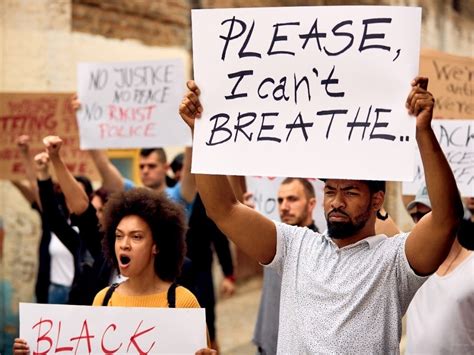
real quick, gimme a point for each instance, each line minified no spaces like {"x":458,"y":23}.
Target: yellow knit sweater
{"x":184,"y":299}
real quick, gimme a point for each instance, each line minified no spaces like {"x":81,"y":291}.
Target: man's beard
{"x":343,"y":230}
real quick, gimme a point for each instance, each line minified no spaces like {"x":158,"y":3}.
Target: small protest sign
{"x":131,"y":104}
{"x":108,"y":330}
{"x":39,"y":115}
{"x":451,"y":79}
{"x":456,"y":138}
{"x":306,"y":91}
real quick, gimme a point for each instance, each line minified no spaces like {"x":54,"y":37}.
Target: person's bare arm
{"x":248,"y":229}
{"x":23,"y":144}
{"x":430,"y":240}
{"x":238,"y":185}
{"x":188,"y":183}
{"x":112,"y":180}
{"x":76,"y":197}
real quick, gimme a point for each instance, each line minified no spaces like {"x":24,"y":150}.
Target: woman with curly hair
{"x":144,"y":239}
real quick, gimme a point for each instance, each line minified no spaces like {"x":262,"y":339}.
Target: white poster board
{"x":306,"y":91}
{"x":456,"y":138}
{"x":131,"y":104}
{"x":121,"y":330}
{"x":265,"y":194}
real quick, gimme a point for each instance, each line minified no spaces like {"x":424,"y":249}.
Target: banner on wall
{"x":108,"y":330}
{"x":131,"y":104}
{"x":39,"y":115}
{"x":306,"y":91}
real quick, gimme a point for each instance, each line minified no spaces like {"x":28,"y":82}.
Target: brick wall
{"x":162,"y":23}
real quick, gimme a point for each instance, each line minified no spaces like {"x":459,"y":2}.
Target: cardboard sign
{"x":456,"y":138}
{"x":39,"y":115}
{"x":306,"y":91}
{"x":106,"y":330}
{"x":265,"y":195}
{"x":451,"y":80}
{"x":131,"y":104}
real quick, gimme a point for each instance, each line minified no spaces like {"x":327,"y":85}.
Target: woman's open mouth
{"x":124,"y":260}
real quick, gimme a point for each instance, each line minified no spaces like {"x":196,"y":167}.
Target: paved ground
{"x":236,"y":318}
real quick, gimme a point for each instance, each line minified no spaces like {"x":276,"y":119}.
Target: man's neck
{"x":362,"y":234}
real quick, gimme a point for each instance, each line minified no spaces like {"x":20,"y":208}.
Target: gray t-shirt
{"x":341,"y":300}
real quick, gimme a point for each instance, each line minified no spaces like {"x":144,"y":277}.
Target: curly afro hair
{"x":165,"y":219}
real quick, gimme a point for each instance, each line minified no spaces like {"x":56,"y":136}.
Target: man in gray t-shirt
{"x":347,"y":290}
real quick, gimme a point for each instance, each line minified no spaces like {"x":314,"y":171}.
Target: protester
{"x":93,"y":272}
{"x":346,"y":290}
{"x":440,"y":318}
{"x":144,"y":240}
{"x":153,"y":166}
{"x":62,"y":242}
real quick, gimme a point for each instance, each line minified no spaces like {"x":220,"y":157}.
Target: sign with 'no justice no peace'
{"x":131,"y":104}
{"x":306,"y":91}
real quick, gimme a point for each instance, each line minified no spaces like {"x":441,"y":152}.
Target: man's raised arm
{"x":431,"y":238}
{"x":248,"y":229}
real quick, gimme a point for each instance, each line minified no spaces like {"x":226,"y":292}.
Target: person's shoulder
{"x":128,"y":184}
{"x":99,"y":297}
{"x":185,"y":298}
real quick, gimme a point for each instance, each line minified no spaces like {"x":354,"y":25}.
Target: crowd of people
{"x":342,"y":290}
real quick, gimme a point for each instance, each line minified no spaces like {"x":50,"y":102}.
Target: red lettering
{"x":85,"y":329}
{"x":43,"y":337}
{"x":122,"y":131}
{"x":149,"y":128}
{"x":134,"y":114}
{"x":136,"y":335}
{"x":104,"y":349}
{"x":112,"y":112}
{"x":18,"y":167}
{"x":64,"y":348}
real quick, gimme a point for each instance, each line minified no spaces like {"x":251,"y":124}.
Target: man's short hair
{"x":374,"y":185}
{"x":307,"y":186}
{"x":144,"y":152}
{"x":177,"y":163}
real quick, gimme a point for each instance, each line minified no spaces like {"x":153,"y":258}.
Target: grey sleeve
{"x":408,"y":281}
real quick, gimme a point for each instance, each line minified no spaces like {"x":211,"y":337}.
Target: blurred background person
{"x":440,"y":318}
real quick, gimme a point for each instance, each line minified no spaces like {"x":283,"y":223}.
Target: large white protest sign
{"x":456,"y":138}
{"x":131,"y":104}
{"x":51,"y":329}
{"x":265,"y":197}
{"x":306,"y":91}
